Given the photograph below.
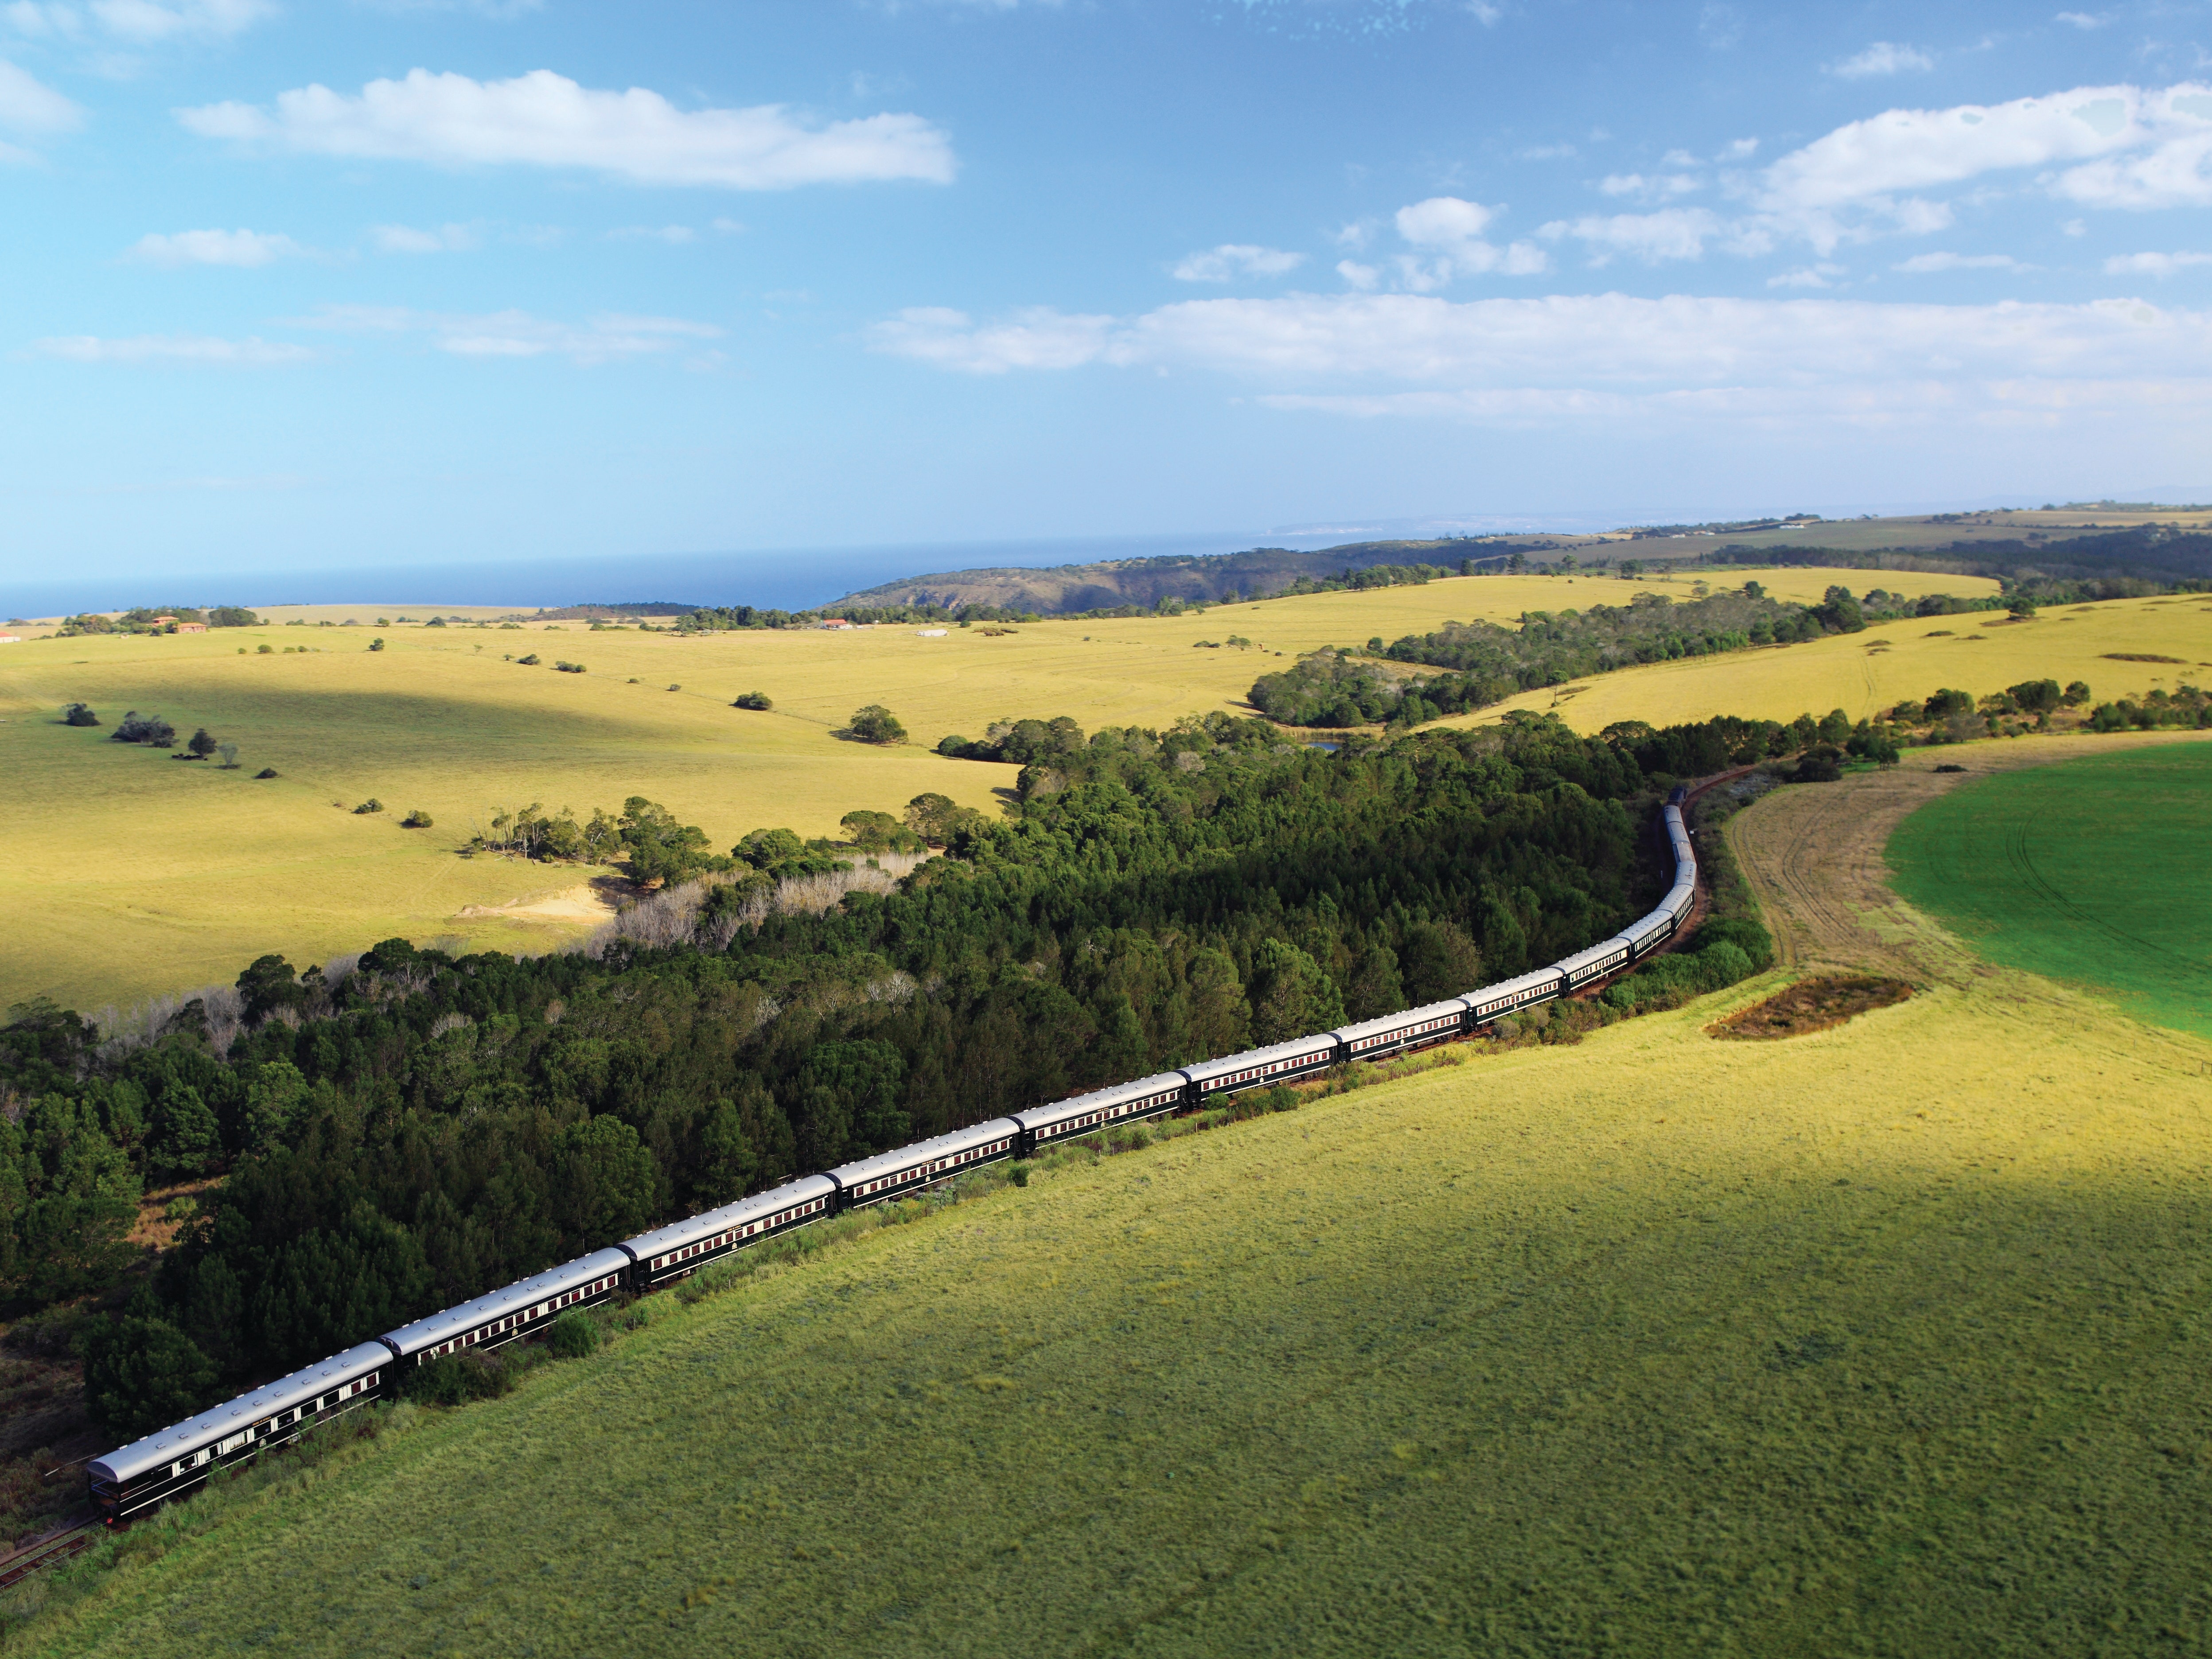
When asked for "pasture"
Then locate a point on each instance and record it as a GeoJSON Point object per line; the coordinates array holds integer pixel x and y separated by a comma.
{"type": "Point", "coordinates": [1879, 1340]}
{"type": "Point", "coordinates": [1862, 673]}
{"type": "Point", "coordinates": [131, 875]}
{"type": "Point", "coordinates": [2092, 872]}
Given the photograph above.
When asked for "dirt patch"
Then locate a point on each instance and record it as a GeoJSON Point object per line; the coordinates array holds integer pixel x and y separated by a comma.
{"type": "Point", "coordinates": [156, 1229]}
{"type": "Point", "coordinates": [588, 900]}
{"type": "Point", "coordinates": [1810, 1005]}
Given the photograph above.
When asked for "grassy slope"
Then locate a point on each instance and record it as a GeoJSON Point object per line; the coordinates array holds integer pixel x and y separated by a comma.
{"type": "Point", "coordinates": [1653, 1344]}
{"type": "Point", "coordinates": [1854, 672]}
{"type": "Point", "coordinates": [129, 874]}
{"type": "Point", "coordinates": [2023, 865]}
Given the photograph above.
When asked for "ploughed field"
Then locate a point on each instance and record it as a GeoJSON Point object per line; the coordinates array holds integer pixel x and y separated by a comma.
{"type": "Point", "coordinates": [131, 875]}
{"type": "Point", "coordinates": [1885, 1339]}
{"type": "Point", "coordinates": [1980, 651]}
{"type": "Point", "coordinates": [2095, 872]}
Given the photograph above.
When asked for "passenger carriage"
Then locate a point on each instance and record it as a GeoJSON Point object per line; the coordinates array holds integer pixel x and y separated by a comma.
{"type": "Point", "coordinates": [1494, 1002]}
{"type": "Point", "coordinates": [519, 1310]}
{"type": "Point", "coordinates": [1258, 1068]}
{"type": "Point", "coordinates": [682, 1248]}
{"type": "Point", "coordinates": [1416, 1027]}
{"type": "Point", "coordinates": [909, 1169]}
{"type": "Point", "coordinates": [1125, 1103]}
{"type": "Point", "coordinates": [179, 1459]}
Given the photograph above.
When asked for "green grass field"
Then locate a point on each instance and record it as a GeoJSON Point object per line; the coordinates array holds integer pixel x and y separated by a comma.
{"type": "Point", "coordinates": [2092, 872]}
{"type": "Point", "coordinates": [1887, 1340]}
{"type": "Point", "coordinates": [128, 874]}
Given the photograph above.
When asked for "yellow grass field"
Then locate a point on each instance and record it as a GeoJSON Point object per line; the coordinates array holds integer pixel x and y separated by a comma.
{"type": "Point", "coordinates": [1860, 673]}
{"type": "Point", "coordinates": [129, 874]}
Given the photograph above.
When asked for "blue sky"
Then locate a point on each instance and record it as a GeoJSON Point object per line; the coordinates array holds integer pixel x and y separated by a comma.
{"type": "Point", "coordinates": [293, 288]}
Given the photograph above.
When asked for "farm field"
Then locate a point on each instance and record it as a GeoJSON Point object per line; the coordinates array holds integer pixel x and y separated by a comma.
{"type": "Point", "coordinates": [1861, 673]}
{"type": "Point", "coordinates": [131, 875]}
{"type": "Point", "coordinates": [2092, 872]}
{"type": "Point", "coordinates": [1651, 1345]}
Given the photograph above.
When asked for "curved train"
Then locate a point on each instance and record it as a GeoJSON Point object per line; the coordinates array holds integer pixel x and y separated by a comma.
{"type": "Point", "coordinates": [174, 1460]}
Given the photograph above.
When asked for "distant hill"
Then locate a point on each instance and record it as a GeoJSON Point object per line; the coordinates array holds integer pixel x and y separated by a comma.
{"type": "Point", "coordinates": [1059, 589]}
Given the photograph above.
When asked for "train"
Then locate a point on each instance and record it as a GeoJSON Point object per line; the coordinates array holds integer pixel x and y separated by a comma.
{"type": "Point", "coordinates": [173, 1461]}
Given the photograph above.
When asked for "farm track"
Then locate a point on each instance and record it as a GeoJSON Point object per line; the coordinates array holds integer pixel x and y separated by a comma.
{"type": "Point", "coordinates": [1815, 857]}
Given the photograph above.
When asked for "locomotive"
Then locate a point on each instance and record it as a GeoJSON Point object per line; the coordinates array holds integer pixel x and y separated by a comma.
{"type": "Point", "coordinates": [173, 1461]}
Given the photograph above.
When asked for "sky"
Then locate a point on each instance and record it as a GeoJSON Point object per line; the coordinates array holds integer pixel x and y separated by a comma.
{"type": "Point", "coordinates": [365, 290]}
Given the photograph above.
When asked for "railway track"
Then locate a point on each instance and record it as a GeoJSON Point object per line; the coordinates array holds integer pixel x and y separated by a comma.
{"type": "Point", "coordinates": [48, 1552]}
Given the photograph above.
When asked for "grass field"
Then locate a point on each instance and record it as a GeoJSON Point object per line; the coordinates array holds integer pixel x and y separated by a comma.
{"type": "Point", "coordinates": [1887, 1340]}
{"type": "Point", "coordinates": [129, 874]}
{"type": "Point", "coordinates": [2089, 871]}
{"type": "Point", "coordinates": [1860, 673]}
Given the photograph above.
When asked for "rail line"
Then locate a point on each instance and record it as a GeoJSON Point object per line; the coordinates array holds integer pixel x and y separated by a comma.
{"type": "Point", "coordinates": [48, 1552]}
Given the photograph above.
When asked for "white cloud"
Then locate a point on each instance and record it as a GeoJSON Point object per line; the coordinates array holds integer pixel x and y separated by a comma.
{"type": "Point", "coordinates": [1485, 14]}
{"type": "Point", "coordinates": [144, 23]}
{"type": "Point", "coordinates": [183, 348]}
{"type": "Point", "coordinates": [1670, 234]}
{"type": "Point", "coordinates": [1234, 259]}
{"type": "Point", "coordinates": [30, 108]}
{"type": "Point", "coordinates": [607, 339]}
{"type": "Point", "coordinates": [406, 239]}
{"type": "Point", "coordinates": [1657, 187]}
{"type": "Point", "coordinates": [2153, 265]}
{"type": "Point", "coordinates": [545, 120]}
{"type": "Point", "coordinates": [1922, 264]}
{"type": "Point", "coordinates": [215, 247]}
{"type": "Point", "coordinates": [1447, 231]}
{"type": "Point", "coordinates": [2084, 20]}
{"type": "Point", "coordinates": [674, 235]}
{"type": "Point", "coordinates": [1823, 275]}
{"type": "Point", "coordinates": [1883, 58]}
{"type": "Point", "coordinates": [2172, 175]}
{"type": "Point", "coordinates": [1366, 278]}
{"type": "Point", "coordinates": [1738, 150]}
{"type": "Point", "coordinates": [1584, 343]}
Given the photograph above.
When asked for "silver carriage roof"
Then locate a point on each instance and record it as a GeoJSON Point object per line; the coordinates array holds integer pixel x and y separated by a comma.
{"type": "Point", "coordinates": [1515, 987]}
{"type": "Point", "coordinates": [677, 1234]}
{"type": "Point", "coordinates": [1657, 921]}
{"type": "Point", "coordinates": [1388, 1023]}
{"type": "Point", "coordinates": [1597, 952]}
{"type": "Point", "coordinates": [923, 1151]}
{"type": "Point", "coordinates": [1036, 1117]}
{"type": "Point", "coordinates": [166, 1445]}
{"type": "Point", "coordinates": [495, 1304]}
{"type": "Point", "coordinates": [1297, 1049]}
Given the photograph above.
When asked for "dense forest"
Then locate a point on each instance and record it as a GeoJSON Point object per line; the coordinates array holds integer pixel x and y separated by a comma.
{"type": "Point", "coordinates": [422, 1128]}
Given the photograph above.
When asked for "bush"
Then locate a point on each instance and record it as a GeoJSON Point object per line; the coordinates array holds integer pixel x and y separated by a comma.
{"type": "Point", "coordinates": [270, 650]}
{"type": "Point", "coordinates": [567, 668]}
{"type": "Point", "coordinates": [203, 744]}
{"type": "Point", "coordinates": [371, 805]}
{"type": "Point", "coordinates": [149, 729]}
{"type": "Point", "coordinates": [530, 661]}
{"type": "Point", "coordinates": [267, 772]}
{"type": "Point", "coordinates": [417, 819]}
{"type": "Point", "coordinates": [573, 1336]}
{"type": "Point", "coordinates": [877, 724]}
{"type": "Point", "coordinates": [455, 1379]}
{"type": "Point", "coordinates": [1823, 764]}
{"type": "Point", "coordinates": [755, 700]}
{"type": "Point", "coordinates": [78, 714]}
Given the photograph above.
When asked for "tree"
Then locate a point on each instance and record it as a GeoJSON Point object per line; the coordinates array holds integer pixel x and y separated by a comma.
{"type": "Point", "coordinates": [268, 985]}
{"type": "Point", "coordinates": [2036, 697]}
{"type": "Point", "coordinates": [377, 644]}
{"type": "Point", "coordinates": [932, 816]}
{"type": "Point", "coordinates": [1439, 960]}
{"type": "Point", "coordinates": [757, 701]}
{"type": "Point", "coordinates": [277, 1103]}
{"type": "Point", "coordinates": [877, 724]}
{"type": "Point", "coordinates": [662, 850]}
{"type": "Point", "coordinates": [848, 1094]}
{"type": "Point", "coordinates": [2077, 693]}
{"type": "Point", "coordinates": [78, 714]}
{"type": "Point", "coordinates": [2022, 608]}
{"type": "Point", "coordinates": [729, 1160]}
{"type": "Point", "coordinates": [605, 1183]}
{"type": "Point", "coordinates": [201, 744]}
{"type": "Point", "coordinates": [1835, 726]}
{"type": "Point", "coordinates": [229, 753]}
{"type": "Point", "coordinates": [141, 1374]}
{"type": "Point", "coordinates": [232, 616]}
{"type": "Point", "coordinates": [1291, 995]}
{"type": "Point", "coordinates": [149, 729]}
{"type": "Point", "coordinates": [1838, 611]}
{"type": "Point", "coordinates": [1946, 703]}
{"type": "Point", "coordinates": [1754, 590]}
{"type": "Point", "coordinates": [185, 1139]}
{"type": "Point", "coordinates": [870, 832]}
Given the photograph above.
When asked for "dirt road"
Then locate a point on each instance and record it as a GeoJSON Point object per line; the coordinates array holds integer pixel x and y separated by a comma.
{"type": "Point", "coordinates": [1812, 853]}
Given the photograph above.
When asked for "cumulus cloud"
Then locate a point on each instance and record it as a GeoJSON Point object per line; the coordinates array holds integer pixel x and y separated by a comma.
{"type": "Point", "coordinates": [545, 120]}
{"type": "Point", "coordinates": [1883, 58]}
{"type": "Point", "coordinates": [2085, 20]}
{"type": "Point", "coordinates": [1823, 275]}
{"type": "Point", "coordinates": [1608, 338]}
{"type": "Point", "coordinates": [407, 238]}
{"type": "Point", "coordinates": [31, 109]}
{"type": "Point", "coordinates": [608, 338]}
{"type": "Point", "coordinates": [215, 247]}
{"type": "Point", "coordinates": [2153, 265]}
{"type": "Point", "coordinates": [1447, 232]}
{"type": "Point", "coordinates": [135, 22]}
{"type": "Point", "coordinates": [1234, 259]}
{"type": "Point", "coordinates": [1922, 264]}
{"type": "Point", "coordinates": [1661, 186]}
{"type": "Point", "coordinates": [187, 349]}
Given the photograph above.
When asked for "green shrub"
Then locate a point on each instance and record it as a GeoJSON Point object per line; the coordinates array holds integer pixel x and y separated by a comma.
{"type": "Point", "coordinates": [877, 724]}
{"type": "Point", "coordinates": [573, 1336]}
{"type": "Point", "coordinates": [374, 645]}
{"type": "Point", "coordinates": [754, 700]}
{"type": "Point", "coordinates": [530, 661]}
{"type": "Point", "coordinates": [78, 714]}
{"type": "Point", "coordinates": [371, 805]}
{"type": "Point", "coordinates": [267, 772]}
{"type": "Point", "coordinates": [417, 819]}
